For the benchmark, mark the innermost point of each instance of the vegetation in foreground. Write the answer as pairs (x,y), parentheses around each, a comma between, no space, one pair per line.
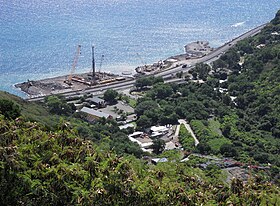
(58,168)
(48,162)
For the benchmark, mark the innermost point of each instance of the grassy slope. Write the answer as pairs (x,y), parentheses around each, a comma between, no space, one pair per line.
(31,110)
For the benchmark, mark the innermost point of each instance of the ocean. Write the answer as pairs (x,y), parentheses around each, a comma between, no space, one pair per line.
(38,38)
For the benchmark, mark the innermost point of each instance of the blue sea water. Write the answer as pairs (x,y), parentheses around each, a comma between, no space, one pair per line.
(38,38)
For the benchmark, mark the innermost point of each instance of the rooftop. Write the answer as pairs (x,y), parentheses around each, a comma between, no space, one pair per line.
(94,112)
(157,160)
(136,134)
(159,129)
(126,126)
(96,100)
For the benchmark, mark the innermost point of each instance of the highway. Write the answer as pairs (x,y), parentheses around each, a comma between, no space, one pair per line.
(166,74)
(215,54)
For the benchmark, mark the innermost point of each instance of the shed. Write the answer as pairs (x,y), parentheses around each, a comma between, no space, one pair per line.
(97,101)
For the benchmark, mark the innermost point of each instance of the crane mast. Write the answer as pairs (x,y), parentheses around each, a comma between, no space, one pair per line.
(93,64)
(142,61)
(76,58)
(101,61)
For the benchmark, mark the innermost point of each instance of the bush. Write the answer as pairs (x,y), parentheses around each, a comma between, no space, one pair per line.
(186,139)
(228,150)
(203,148)
(9,109)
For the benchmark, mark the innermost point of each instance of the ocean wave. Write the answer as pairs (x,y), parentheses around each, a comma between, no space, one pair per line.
(238,24)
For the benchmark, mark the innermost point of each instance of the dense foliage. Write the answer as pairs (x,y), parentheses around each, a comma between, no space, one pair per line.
(39,167)
(9,109)
(55,161)
(186,139)
(254,123)
(56,110)
(236,111)
(110,95)
(144,82)
(58,105)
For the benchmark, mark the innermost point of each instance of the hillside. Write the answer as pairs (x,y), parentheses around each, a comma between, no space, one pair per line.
(51,113)
(58,168)
(254,83)
(237,108)
(32,111)
(49,156)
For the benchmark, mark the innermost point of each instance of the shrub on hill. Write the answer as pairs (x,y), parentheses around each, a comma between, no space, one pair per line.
(9,109)
(58,168)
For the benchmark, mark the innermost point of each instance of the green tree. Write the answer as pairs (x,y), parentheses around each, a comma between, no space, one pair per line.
(9,109)
(245,47)
(276,20)
(143,82)
(58,105)
(179,74)
(153,114)
(226,130)
(194,75)
(203,148)
(186,139)
(261,157)
(143,122)
(169,119)
(145,106)
(202,70)
(157,80)
(158,146)
(161,91)
(110,96)
(218,64)
(226,99)
(122,145)
(228,150)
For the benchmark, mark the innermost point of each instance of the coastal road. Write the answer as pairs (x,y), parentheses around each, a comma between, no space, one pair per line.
(166,74)
(213,55)
(100,90)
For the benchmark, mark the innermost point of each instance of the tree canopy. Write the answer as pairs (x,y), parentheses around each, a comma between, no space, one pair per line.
(110,95)
(58,105)
(58,168)
(9,108)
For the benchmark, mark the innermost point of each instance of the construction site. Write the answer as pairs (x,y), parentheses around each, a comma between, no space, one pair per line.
(81,82)
(71,82)
(193,51)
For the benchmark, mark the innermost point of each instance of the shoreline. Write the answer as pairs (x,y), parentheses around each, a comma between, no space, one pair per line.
(58,85)
(173,62)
